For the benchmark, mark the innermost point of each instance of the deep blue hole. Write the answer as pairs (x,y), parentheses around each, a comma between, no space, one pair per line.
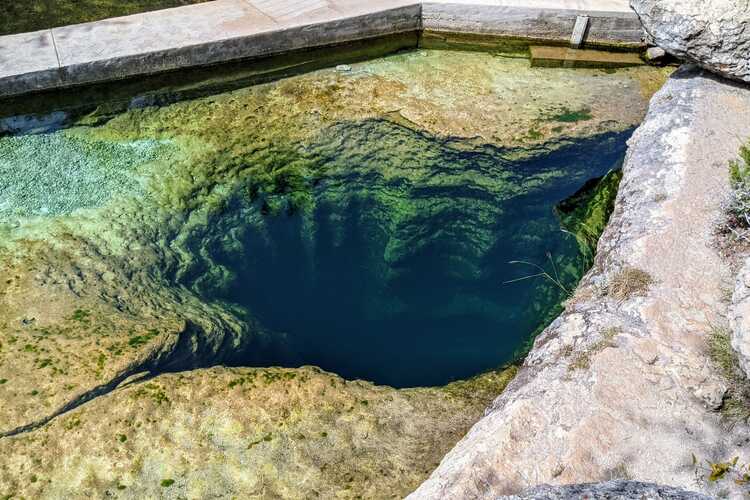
(399,272)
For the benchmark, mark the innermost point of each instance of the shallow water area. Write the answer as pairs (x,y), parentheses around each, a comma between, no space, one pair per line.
(386,221)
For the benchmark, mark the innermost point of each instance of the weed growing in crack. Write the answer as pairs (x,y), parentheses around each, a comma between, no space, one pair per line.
(716,472)
(736,405)
(582,361)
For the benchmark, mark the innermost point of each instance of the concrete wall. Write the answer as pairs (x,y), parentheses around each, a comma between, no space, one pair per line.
(230,30)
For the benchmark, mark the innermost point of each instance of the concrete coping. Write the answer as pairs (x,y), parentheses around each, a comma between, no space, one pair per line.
(229,30)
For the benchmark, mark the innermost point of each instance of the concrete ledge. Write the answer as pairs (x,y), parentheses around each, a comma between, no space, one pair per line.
(261,39)
(28,62)
(562,57)
(230,30)
(537,23)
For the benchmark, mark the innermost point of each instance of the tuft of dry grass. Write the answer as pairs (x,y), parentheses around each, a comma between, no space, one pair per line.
(629,282)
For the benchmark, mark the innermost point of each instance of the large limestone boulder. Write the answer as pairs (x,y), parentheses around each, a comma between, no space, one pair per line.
(714,34)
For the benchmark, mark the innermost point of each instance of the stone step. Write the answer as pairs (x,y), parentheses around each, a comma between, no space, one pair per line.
(564,57)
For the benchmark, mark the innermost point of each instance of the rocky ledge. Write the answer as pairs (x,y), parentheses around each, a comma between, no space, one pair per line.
(621,385)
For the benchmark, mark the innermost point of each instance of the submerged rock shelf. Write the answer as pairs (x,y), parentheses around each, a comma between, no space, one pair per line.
(271,224)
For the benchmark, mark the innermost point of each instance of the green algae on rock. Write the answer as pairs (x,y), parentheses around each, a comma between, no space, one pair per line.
(586,213)
(246,432)
(63,172)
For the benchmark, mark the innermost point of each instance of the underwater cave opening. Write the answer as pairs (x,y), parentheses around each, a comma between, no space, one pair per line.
(397,266)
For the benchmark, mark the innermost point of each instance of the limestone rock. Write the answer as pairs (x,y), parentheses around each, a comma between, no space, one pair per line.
(616,386)
(740,317)
(655,54)
(714,34)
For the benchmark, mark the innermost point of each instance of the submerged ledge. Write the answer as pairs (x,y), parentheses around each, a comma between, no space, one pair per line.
(231,30)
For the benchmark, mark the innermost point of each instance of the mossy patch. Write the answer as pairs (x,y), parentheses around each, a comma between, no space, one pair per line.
(566,115)
(586,213)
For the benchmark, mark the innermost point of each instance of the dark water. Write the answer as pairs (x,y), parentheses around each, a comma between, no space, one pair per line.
(399,271)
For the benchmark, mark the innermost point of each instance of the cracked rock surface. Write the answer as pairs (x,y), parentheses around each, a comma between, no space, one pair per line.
(611,490)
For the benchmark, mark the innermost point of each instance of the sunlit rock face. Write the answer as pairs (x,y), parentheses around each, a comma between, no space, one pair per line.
(363,221)
(715,34)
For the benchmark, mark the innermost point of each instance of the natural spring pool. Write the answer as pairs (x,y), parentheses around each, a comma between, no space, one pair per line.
(383,221)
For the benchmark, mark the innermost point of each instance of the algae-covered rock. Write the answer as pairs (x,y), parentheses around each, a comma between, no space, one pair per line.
(586,213)
(270,433)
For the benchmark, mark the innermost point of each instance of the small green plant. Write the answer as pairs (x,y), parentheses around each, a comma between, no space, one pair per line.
(139,340)
(534,134)
(81,315)
(738,209)
(153,391)
(717,471)
(739,170)
(266,438)
(122,438)
(567,115)
(166,483)
(72,424)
